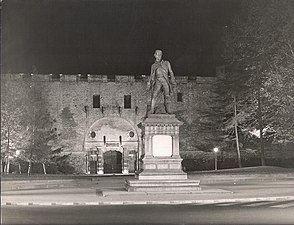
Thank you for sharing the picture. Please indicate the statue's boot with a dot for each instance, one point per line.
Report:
(152, 108)
(167, 104)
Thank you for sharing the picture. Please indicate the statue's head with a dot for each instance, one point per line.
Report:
(158, 55)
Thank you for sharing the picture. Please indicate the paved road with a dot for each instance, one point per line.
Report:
(263, 212)
(86, 192)
(73, 195)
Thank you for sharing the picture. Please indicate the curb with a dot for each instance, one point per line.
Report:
(215, 180)
(174, 202)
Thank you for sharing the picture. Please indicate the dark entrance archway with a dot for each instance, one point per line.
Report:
(93, 167)
(112, 162)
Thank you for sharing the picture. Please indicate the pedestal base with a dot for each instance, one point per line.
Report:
(162, 168)
(162, 174)
(162, 185)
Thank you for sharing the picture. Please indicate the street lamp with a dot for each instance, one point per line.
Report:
(17, 153)
(215, 150)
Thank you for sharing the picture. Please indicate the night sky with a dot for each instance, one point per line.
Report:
(113, 36)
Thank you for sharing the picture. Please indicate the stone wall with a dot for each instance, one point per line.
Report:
(70, 103)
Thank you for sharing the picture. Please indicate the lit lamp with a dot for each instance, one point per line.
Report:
(215, 150)
(17, 153)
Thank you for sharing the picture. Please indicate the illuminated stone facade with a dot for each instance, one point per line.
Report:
(99, 117)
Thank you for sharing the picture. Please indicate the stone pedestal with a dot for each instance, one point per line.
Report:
(162, 170)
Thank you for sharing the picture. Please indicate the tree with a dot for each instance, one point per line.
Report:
(40, 124)
(26, 124)
(205, 131)
(230, 87)
(13, 129)
(260, 44)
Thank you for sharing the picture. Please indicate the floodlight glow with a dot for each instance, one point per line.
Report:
(215, 157)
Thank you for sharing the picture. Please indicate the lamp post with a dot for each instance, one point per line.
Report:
(215, 150)
(17, 153)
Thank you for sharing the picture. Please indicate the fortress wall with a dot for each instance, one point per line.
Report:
(69, 99)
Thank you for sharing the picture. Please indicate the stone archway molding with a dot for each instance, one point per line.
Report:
(110, 125)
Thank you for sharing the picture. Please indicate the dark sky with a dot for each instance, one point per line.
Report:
(113, 36)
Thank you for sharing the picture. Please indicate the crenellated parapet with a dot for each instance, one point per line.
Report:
(97, 78)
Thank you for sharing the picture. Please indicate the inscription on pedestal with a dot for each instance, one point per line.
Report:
(162, 145)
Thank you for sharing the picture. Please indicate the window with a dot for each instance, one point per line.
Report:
(131, 134)
(179, 97)
(93, 134)
(127, 102)
(96, 101)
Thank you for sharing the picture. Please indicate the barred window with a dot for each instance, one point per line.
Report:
(96, 101)
(127, 102)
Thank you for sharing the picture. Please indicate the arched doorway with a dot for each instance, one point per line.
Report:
(112, 162)
(116, 142)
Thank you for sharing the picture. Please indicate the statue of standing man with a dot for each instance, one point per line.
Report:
(162, 79)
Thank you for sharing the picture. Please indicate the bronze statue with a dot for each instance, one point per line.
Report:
(162, 79)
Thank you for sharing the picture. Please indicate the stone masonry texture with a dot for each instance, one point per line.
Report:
(70, 103)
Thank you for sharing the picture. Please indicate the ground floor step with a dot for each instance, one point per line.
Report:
(162, 185)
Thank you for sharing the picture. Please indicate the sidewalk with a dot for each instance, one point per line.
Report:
(110, 191)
